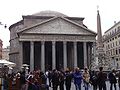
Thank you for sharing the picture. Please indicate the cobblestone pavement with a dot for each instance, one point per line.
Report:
(90, 88)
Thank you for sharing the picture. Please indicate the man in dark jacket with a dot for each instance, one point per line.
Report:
(93, 79)
(112, 79)
(55, 79)
(101, 79)
(68, 79)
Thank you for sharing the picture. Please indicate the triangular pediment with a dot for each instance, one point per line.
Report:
(58, 26)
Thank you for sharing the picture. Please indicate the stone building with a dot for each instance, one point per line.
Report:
(5, 53)
(111, 40)
(49, 40)
(1, 45)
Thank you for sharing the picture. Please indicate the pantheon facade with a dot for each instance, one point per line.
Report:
(51, 40)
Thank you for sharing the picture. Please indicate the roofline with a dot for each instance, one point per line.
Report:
(21, 21)
(36, 24)
(38, 17)
(79, 25)
(55, 18)
(112, 26)
(113, 35)
(46, 17)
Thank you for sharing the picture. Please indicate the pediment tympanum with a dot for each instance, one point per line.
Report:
(58, 26)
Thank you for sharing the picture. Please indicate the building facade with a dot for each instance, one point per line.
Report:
(1, 45)
(51, 40)
(111, 40)
(5, 53)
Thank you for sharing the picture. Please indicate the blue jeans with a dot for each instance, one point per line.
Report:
(78, 86)
(86, 85)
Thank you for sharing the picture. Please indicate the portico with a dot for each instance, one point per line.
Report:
(56, 54)
(52, 42)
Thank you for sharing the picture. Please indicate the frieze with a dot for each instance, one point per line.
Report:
(56, 38)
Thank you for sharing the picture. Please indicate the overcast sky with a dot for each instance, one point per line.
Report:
(11, 11)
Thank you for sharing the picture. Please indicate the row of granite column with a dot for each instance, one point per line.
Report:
(54, 54)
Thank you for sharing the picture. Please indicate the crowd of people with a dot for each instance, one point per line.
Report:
(37, 80)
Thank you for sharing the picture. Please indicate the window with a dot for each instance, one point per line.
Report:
(119, 50)
(116, 52)
(116, 59)
(116, 43)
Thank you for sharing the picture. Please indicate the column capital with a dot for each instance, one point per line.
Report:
(53, 42)
(75, 42)
(42, 42)
(64, 42)
(32, 42)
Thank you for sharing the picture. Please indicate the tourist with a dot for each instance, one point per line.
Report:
(49, 77)
(93, 79)
(101, 79)
(77, 76)
(118, 75)
(112, 79)
(55, 79)
(86, 78)
(68, 79)
(61, 80)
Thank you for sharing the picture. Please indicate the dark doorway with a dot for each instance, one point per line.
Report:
(70, 55)
(37, 55)
(59, 55)
(26, 53)
(80, 58)
(48, 55)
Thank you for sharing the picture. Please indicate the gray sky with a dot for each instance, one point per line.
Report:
(11, 11)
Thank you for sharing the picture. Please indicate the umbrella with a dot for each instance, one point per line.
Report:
(8, 63)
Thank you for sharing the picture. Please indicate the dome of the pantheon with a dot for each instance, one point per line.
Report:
(50, 13)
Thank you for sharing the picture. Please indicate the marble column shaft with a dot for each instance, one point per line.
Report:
(43, 56)
(85, 53)
(65, 54)
(31, 56)
(53, 55)
(75, 54)
(20, 55)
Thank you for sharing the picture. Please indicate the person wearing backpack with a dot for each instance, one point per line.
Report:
(112, 79)
(93, 80)
(101, 79)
